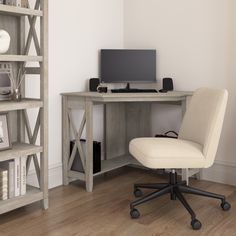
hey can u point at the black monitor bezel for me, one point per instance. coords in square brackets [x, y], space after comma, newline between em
[128, 81]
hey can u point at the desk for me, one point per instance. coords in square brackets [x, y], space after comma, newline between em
[126, 116]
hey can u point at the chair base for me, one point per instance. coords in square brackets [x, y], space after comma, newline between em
[175, 189]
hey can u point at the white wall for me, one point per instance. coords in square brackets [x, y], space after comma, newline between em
[196, 42]
[196, 45]
[76, 33]
[77, 30]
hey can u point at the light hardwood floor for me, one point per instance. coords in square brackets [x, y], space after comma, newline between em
[106, 211]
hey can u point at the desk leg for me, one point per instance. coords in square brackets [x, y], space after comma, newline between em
[89, 146]
[185, 172]
[65, 140]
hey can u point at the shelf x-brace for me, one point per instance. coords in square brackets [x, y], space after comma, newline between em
[77, 146]
[32, 35]
[32, 32]
[32, 140]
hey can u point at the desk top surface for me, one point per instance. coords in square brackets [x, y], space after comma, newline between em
[128, 95]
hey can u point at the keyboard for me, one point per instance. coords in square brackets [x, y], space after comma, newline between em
[134, 91]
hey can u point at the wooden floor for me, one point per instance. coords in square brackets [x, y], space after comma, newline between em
[106, 211]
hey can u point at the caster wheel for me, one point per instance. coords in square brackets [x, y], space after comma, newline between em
[138, 192]
[225, 206]
[134, 213]
[196, 224]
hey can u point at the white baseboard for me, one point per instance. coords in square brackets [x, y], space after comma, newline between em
[221, 172]
[54, 176]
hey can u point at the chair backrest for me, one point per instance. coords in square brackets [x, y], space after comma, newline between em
[203, 120]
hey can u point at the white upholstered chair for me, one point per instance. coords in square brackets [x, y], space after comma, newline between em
[195, 147]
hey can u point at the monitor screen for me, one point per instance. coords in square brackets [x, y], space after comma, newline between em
[122, 65]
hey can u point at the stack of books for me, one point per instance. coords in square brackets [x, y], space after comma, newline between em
[12, 178]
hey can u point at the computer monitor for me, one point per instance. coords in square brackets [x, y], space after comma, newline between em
[128, 66]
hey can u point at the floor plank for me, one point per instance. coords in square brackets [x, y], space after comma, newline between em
[106, 211]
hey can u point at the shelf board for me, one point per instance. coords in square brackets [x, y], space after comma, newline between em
[6, 57]
[106, 166]
[32, 195]
[19, 150]
[25, 103]
[19, 11]
[114, 163]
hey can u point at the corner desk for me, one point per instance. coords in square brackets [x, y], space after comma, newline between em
[126, 116]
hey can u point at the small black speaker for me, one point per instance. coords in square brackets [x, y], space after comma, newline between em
[93, 84]
[167, 84]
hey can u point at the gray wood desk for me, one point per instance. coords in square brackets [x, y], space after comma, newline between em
[126, 116]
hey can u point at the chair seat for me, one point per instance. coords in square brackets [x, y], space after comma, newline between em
[160, 153]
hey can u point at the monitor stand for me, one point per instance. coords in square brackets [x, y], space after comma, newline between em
[127, 86]
[126, 89]
[133, 90]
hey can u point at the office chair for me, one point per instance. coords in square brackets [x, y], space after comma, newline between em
[195, 147]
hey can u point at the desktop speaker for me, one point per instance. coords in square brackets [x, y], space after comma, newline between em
[167, 84]
[93, 84]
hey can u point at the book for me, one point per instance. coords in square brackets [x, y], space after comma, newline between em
[11, 179]
[3, 184]
[22, 175]
[10, 167]
[17, 176]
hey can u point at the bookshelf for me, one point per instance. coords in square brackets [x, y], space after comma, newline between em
[13, 19]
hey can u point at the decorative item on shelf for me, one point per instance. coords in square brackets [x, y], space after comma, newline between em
[5, 141]
[16, 95]
[16, 83]
[5, 82]
[14, 3]
[25, 3]
[5, 40]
